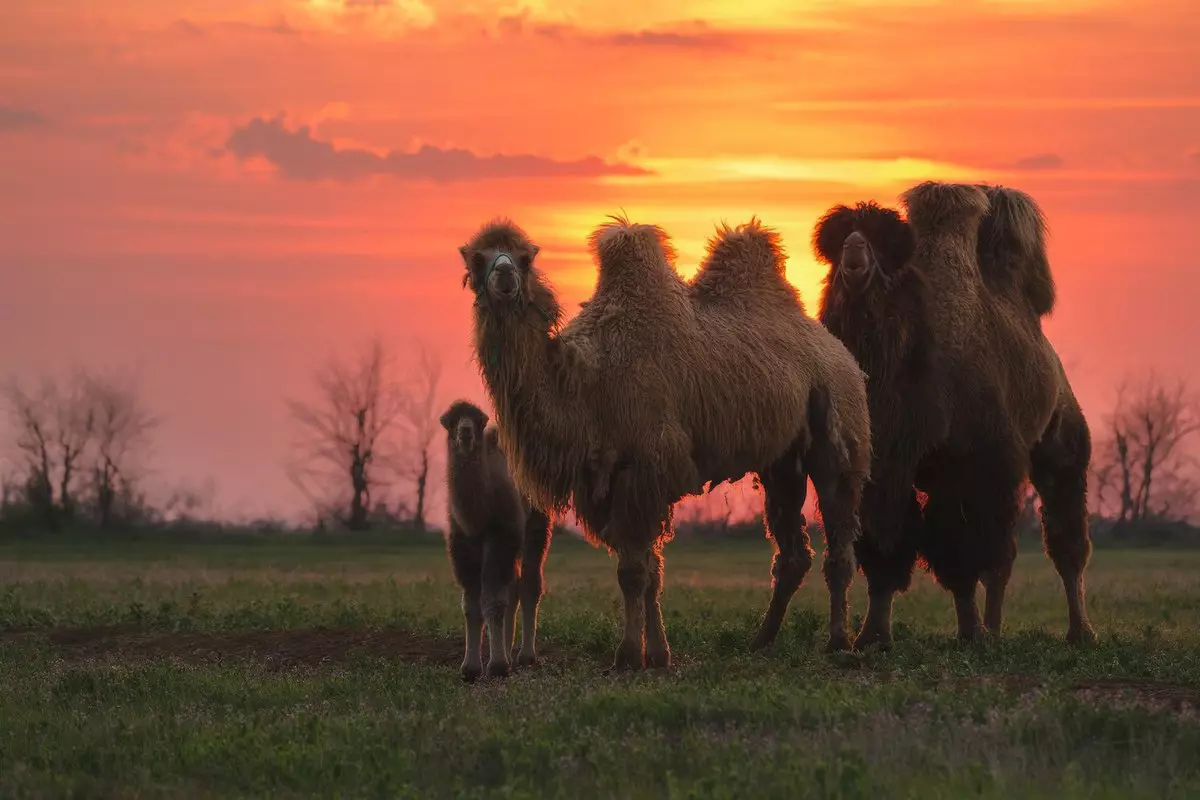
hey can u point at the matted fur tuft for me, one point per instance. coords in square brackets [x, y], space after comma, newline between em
[940, 205]
[1012, 246]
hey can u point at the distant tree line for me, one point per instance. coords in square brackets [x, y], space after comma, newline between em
[365, 456]
[77, 450]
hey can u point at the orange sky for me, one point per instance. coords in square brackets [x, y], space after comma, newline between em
[221, 194]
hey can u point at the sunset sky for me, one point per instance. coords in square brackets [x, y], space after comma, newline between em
[220, 195]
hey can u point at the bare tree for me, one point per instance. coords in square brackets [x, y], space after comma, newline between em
[74, 428]
[346, 435]
[121, 428]
[1144, 470]
[32, 419]
[420, 415]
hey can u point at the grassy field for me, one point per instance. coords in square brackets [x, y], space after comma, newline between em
[198, 670]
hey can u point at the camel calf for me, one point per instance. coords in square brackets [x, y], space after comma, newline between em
[497, 544]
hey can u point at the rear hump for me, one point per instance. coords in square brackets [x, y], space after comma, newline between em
[1012, 247]
[748, 256]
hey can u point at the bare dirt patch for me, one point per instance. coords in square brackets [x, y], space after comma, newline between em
[277, 649]
[1144, 693]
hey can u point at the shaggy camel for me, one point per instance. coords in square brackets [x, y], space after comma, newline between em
[497, 543]
[968, 399]
[659, 387]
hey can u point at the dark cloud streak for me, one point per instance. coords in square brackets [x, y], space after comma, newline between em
[698, 35]
[1041, 161]
[14, 118]
[299, 156]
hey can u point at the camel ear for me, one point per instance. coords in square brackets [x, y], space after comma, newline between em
[483, 419]
[831, 232]
[446, 420]
[465, 252]
[526, 258]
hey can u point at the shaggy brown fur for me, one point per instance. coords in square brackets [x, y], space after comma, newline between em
[967, 396]
[497, 543]
[660, 387]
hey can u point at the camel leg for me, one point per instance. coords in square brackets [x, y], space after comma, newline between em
[472, 665]
[887, 565]
[499, 575]
[785, 485]
[970, 530]
[466, 561]
[995, 583]
[1059, 473]
[658, 651]
[838, 499]
[633, 576]
[510, 613]
[533, 556]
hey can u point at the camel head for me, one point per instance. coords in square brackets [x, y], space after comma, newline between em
[464, 423]
[499, 263]
[866, 246]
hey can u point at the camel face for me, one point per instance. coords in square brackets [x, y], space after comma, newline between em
[865, 246]
[464, 423]
[859, 266]
[500, 274]
[465, 438]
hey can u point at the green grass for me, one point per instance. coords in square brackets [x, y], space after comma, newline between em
[287, 669]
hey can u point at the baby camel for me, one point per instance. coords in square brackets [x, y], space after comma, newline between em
[497, 543]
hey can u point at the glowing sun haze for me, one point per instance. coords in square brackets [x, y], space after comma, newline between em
[223, 194]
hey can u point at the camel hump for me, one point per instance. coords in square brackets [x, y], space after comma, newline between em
[621, 246]
[1012, 246]
[749, 255]
[938, 206]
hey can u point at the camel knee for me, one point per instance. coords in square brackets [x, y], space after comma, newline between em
[838, 566]
[633, 578]
[532, 587]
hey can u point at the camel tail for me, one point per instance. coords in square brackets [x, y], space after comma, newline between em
[937, 206]
[620, 245]
[1012, 246]
[748, 255]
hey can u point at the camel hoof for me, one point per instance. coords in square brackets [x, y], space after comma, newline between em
[1081, 636]
[878, 640]
[762, 641]
[470, 672]
[628, 659]
[524, 660]
[838, 643]
[498, 669]
[976, 637]
[661, 660]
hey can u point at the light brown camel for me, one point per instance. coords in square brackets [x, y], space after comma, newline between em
[968, 398]
[497, 543]
[659, 387]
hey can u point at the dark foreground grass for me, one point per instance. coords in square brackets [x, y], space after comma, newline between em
[296, 669]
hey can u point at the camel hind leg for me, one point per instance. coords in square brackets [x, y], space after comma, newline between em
[498, 581]
[785, 486]
[658, 651]
[970, 529]
[839, 467]
[1059, 464]
[533, 556]
[886, 561]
